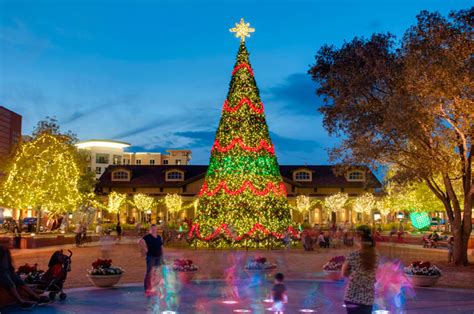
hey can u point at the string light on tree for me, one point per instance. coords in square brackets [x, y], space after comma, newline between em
[243, 190]
[336, 202]
[143, 202]
[44, 174]
[115, 202]
[174, 203]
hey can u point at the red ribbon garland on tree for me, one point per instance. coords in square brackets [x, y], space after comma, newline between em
[244, 100]
[223, 229]
[262, 145]
[243, 65]
[270, 187]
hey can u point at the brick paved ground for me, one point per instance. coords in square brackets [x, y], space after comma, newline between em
[295, 263]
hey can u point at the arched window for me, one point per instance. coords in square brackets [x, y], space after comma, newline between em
[302, 176]
[120, 176]
[356, 176]
[174, 176]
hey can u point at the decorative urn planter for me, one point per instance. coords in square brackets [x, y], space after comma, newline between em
[185, 277]
[185, 270]
[104, 281]
[423, 274]
[103, 274]
[423, 281]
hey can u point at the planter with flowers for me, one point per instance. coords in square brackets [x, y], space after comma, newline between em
[103, 274]
[259, 263]
[333, 268]
[30, 273]
[423, 274]
[185, 269]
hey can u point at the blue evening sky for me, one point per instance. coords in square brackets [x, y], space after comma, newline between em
[156, 73]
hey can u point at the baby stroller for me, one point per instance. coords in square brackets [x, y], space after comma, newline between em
[53, 279]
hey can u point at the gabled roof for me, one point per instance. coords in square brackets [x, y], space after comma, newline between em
[155, 176]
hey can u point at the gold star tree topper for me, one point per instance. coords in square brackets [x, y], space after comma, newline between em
[242, 30]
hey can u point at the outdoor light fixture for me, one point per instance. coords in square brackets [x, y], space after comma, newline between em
[70, 216]
[400, 215]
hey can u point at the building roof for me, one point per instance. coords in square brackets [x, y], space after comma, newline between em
[102, 143]
[155, 176]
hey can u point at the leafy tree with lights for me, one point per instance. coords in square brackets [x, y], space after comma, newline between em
[115, 203]
[143, 203]
[335, 203]
[173, 203]
[364, 204]
[243, 196]
[410, 106]
[47, 173]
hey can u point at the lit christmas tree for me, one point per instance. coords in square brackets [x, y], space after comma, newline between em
[243, 198]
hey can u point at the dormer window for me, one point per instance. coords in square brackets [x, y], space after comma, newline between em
[120, 175]
[174, 175]
[302, 175]
[355, 176]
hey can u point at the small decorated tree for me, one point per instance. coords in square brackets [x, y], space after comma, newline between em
[143, 203]
[335, 203]
[115, 202]
[364, 204]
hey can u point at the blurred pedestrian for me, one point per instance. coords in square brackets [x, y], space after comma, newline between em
[360, 267]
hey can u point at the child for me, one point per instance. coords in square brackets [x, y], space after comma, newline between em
[450, 249]
[278, 294]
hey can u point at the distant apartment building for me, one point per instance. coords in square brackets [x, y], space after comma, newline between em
[10, 130]
[104, 153]
[174, 157]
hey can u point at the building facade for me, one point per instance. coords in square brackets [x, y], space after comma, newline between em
[104, 153]
[10, 130]
[315, 182]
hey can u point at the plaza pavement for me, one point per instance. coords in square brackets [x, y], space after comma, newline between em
[294, 263]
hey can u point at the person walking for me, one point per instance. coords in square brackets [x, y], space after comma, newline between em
[360, 268]
[152, 246]
[78, 232]
[118, 229]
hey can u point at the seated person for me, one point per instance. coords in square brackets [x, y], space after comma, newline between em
[322, 241]
[11, 282]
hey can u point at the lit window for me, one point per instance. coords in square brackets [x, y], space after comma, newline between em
[138, 161]
[174, 176]
[165, 162]
[152, 161]
[178, 161]
[98, 170]
[102, 158]
[302, 176]
[356, 176]
[117, 159]
[120, 175]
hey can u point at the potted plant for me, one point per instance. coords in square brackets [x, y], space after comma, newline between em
[259, 263]
[332, 269]
[185, 269]
[103, 274]
[423, 274]
[30, 274]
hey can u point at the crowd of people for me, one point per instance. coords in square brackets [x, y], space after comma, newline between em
[338, 235]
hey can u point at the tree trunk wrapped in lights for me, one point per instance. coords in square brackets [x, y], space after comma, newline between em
[243, 198]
